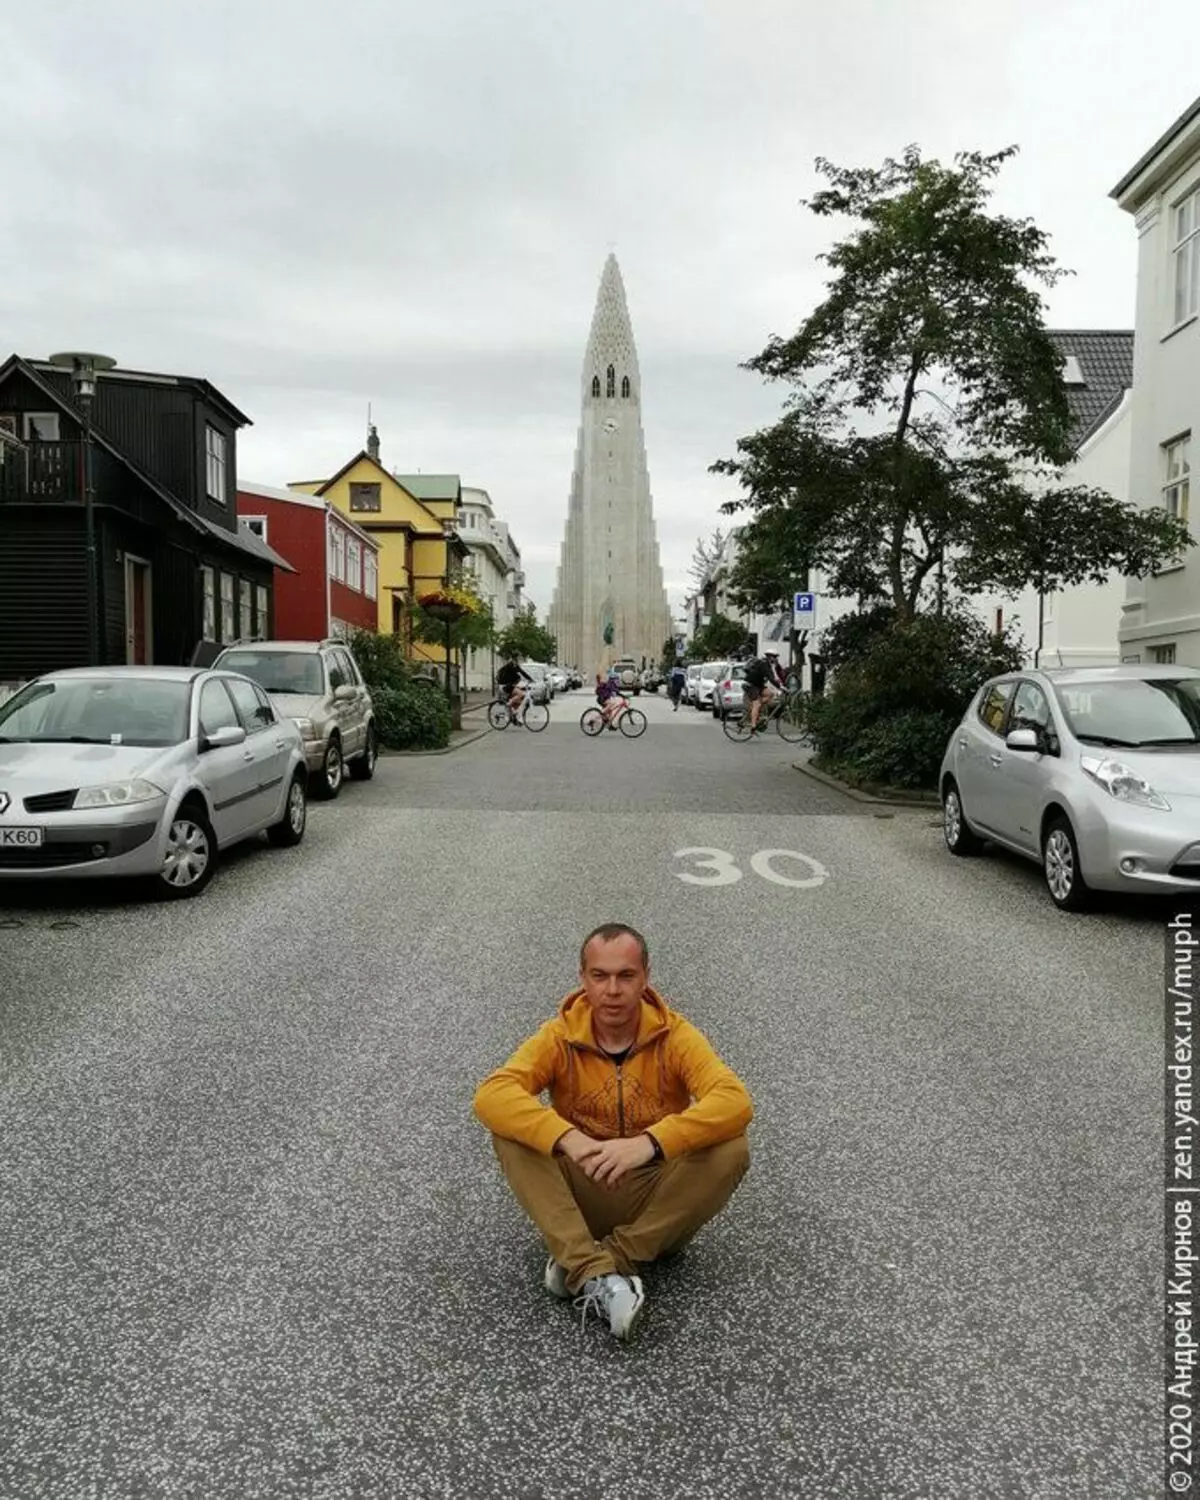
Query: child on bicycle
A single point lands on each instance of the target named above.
(608, 696)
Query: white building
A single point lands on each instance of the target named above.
(495, 568)
(610, 581)
(1161, 620)
(1079, 625)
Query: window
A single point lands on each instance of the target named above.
(595, 385)
(41, 427)
(1178, 470)
(993, 705)
(1163, 656)
(245, 609)
(625, 386)
(337, 673)
(255, 524)
(208, 584)
(1030, 709)
(346, 665)
(337, 553)
(262, 621)
(1072, 374)
(216, 710)
(353, 562)
(252, 706)
(999, 630)
(215, 456)
(227, 620)
(1185, 238)
(370, 574)
(611, 388)
(365, 497)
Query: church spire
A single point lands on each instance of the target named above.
(610, 344)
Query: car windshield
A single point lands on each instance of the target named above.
(297, 672)
(98, 711)
(710, 669)
(1133, 711)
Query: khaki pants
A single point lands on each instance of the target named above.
(653, 1211)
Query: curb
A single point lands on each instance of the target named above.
(923, 803)
(467, 739)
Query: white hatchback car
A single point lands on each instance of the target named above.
(1092, 771)
(143, 771)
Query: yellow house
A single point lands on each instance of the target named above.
(413, 517)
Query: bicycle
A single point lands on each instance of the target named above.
(534, 716)
(630, 721)
(787, 713)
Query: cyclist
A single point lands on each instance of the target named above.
(763, 679)
(509, 679)
(608, 696)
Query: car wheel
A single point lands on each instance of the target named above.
(290, 829)
(333, 771)
(190, 860)
(960, 837)
(362, 767)
(1060, 865)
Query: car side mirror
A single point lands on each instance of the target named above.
(1024, 739)
(344, 693)
(224, 738)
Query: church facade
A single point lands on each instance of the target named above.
(609, 600)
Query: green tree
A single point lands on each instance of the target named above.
(928, 405)
(718, 639)
(527, 639)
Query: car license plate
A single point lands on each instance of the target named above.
(20, 838)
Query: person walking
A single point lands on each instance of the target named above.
(675, 687)
(642, 1143)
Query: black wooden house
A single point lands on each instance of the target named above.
(173, 568)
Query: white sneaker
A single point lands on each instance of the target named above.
(619, 1298)
(555, 1280)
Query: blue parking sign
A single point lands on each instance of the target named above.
(805, 604)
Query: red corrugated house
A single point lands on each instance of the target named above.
(335, 587)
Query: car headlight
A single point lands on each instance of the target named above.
(308, 730)
(118, 794)
(1123, 782)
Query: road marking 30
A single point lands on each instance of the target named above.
(723, 869)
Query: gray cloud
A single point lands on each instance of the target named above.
(318, 206)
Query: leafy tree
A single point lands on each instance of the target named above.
(718, 639)
(706, 556)
(669, 654)
(527, 639)
(927, 404)
(476, 628)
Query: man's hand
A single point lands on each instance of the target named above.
(578, 1146)
(611, 1160)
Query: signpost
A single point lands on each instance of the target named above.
(804, 607)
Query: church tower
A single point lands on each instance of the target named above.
(609, 571)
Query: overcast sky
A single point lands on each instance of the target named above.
(318, 205)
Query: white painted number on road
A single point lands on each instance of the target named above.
(719, 861)
(724, 870)
(760, 863)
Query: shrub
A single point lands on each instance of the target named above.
(413, 716)
(380, 659)
(899, 692)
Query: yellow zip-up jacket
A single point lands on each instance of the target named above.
(671, 1084)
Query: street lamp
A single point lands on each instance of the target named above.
(84, 368)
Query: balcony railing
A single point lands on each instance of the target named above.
(51, 472)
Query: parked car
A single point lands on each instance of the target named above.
(560, 678)
(730, 694)
(629, 677)
(652, 679)
(316, 684)
(542, 689)
(1092, 771)
(143, 771)
(706, 683)
(690, 682)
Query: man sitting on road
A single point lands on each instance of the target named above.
(509, 679)
(643, 1140)
(762, 680)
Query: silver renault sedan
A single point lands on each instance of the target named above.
(1092, 771)
(143, 771)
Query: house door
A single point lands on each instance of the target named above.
(139, 643)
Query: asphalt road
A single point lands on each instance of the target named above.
(254, 1243)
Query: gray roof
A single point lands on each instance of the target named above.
(1105, 358)
(1160, 145)
(246, 541)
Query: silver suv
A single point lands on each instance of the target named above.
(318, 685)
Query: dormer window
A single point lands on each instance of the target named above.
(595, 385)
(1185, 238)
(41, 427)
(214, 444)
(625, 387)
(612, 381)
(1072, 374)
